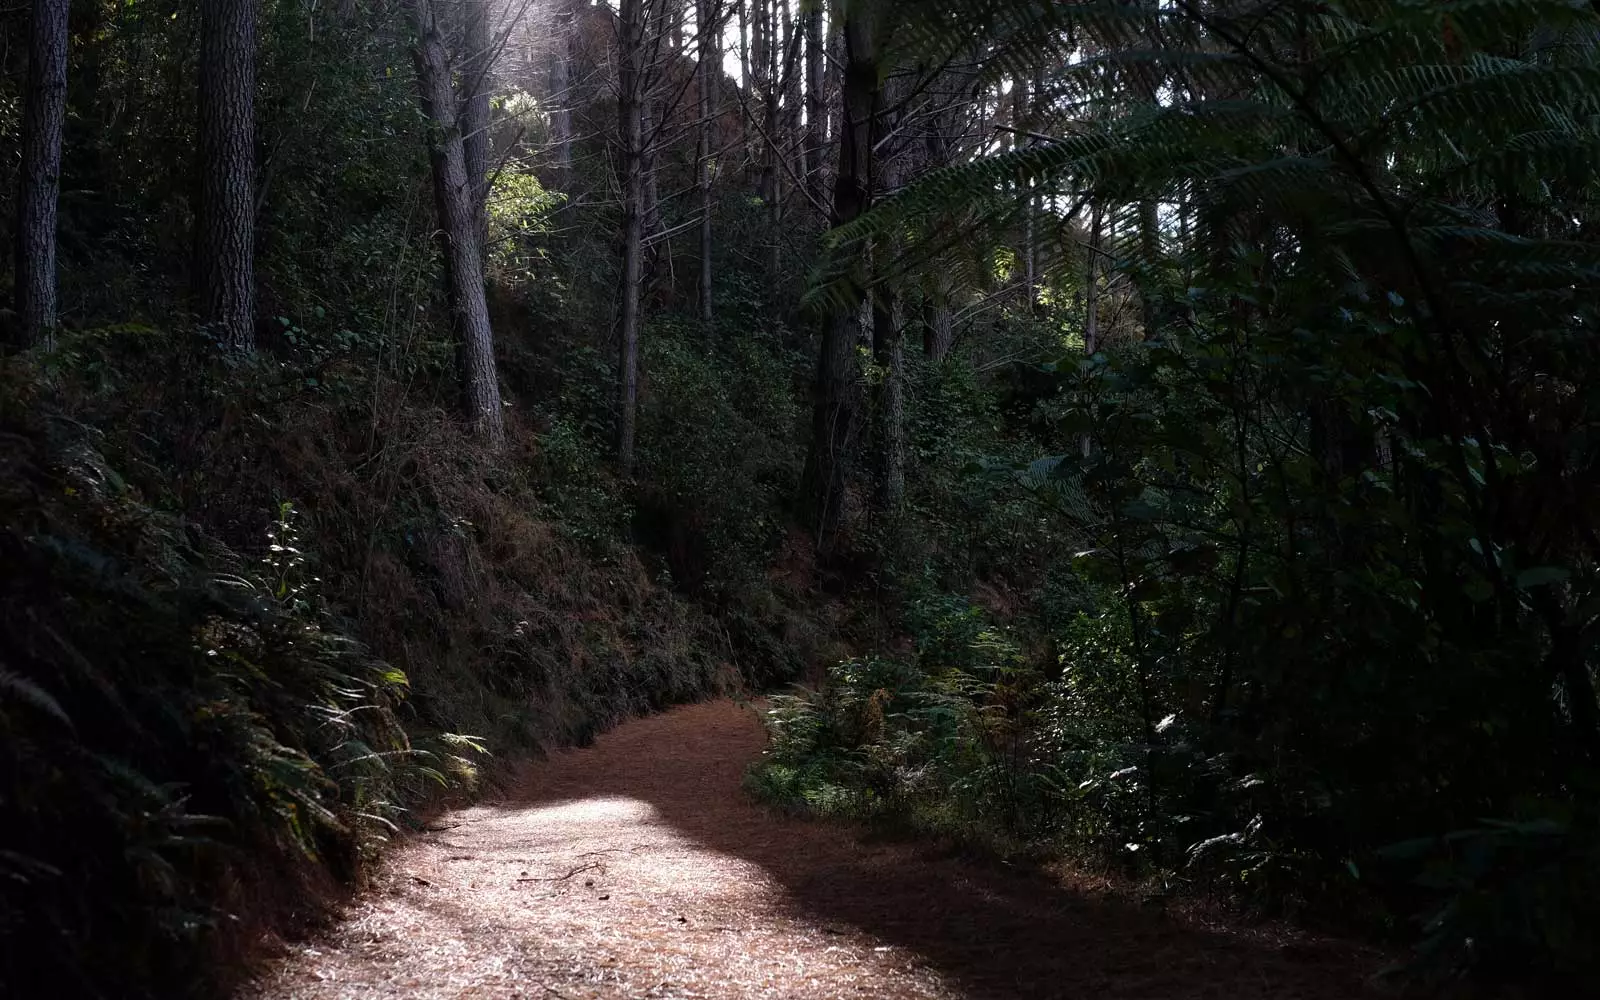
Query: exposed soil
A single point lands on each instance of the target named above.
(638, 868)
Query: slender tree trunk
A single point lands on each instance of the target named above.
(834, 402)
(1091, 303)
(941, 332)
(746, 83)
(793, 92)
(816, 104)
(1150, 251)
(475, 66)
(833, 79)
(649, 126)
(469, 310)
(44, 120)
(560, 97)
(765, 46)
(1091, 286)
(707, 23)
(938, 151)
(226, 247)
(888, 353)
(630, 74)
(1020, 117)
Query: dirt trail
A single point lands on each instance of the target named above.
(637, 868)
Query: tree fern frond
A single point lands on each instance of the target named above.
(30, 693)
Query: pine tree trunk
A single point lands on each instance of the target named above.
(834, 394)
(816, 114)
(469, 310)
(938, 150)
(44, 120)
(560, 97)
(1020, 120)
(793, 92)
(630, 128)
(941, 334)
(1091, 304)
(1150, 252)
(226, 246)
(1091, 286)
(649, 126)
(706, 22)
(746, 83)
(475, 66)
(888, 353)
(765, 56)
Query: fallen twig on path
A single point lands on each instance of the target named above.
(563, 878)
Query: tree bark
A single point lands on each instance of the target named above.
(941, 331)
(765, 55)
(469, 310)
(834, 395)
(888, 354)
(649, 131)
(476, 58)
(1091, 304)
(1091, 285)
(1021, 119)
(560, 98)
(44, 120)
(1150, 251)
(706, 24)
(226, 247)
(630, 42)
(816, 114)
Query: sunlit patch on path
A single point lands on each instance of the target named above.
(637, 868)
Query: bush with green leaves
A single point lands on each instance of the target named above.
(1338, 482)
(719, 447)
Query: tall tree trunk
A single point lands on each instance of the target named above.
(941, 330)
(649, 132)
(1020, 117)
(477, 55)
(1150, 251)
(630, 99)
(938, 149)
(888, 353)
(706, 24)
(793, 91)
(746, 83)
(816, 114)
(44, 119)
(226, 245)
(766, 45)
(560, 97)
(834, 402)
(1091, 285)
(469, 310)
(1091, 304)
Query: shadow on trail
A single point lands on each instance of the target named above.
(994, 934)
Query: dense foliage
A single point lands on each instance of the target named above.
(1157, 433)
(1336, 642)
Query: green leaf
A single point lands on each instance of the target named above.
(1541, 575)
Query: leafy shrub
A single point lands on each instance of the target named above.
(176, 721)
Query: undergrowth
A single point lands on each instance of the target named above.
(259, 612)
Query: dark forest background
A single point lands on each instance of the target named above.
(1156, 432)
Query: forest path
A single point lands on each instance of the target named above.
(638, 868)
